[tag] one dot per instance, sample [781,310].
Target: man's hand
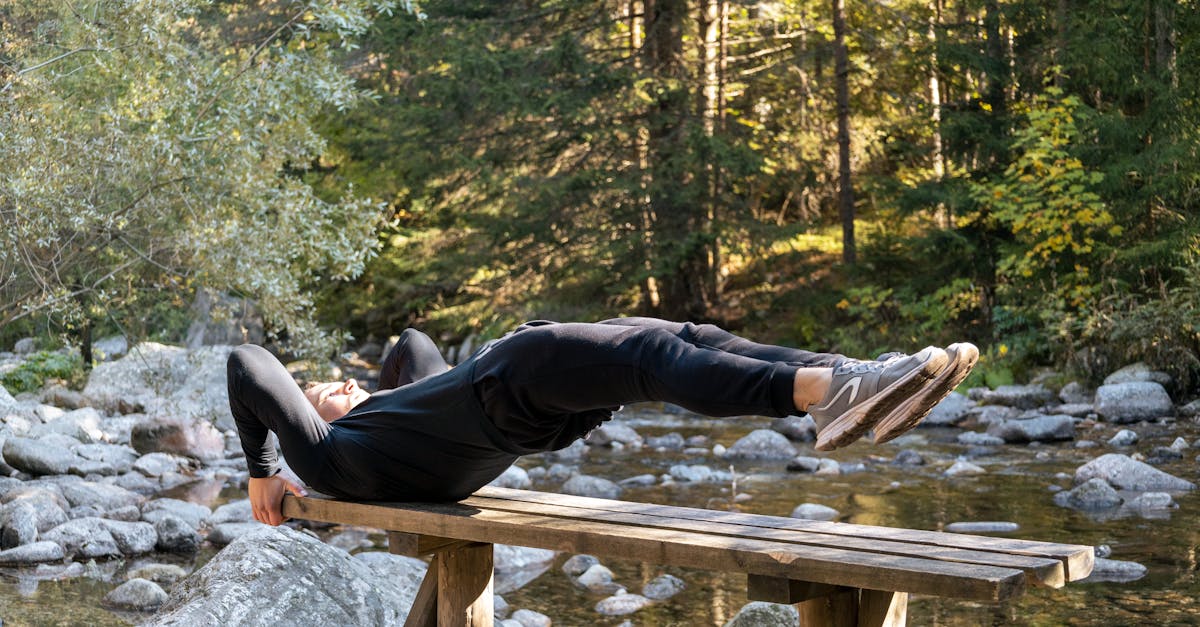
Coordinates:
[266,496]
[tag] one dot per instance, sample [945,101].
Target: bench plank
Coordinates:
[1043,571]
[858,569]
[1077,560]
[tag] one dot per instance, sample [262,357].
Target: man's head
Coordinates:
[335,399]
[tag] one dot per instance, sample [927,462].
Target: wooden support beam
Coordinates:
[787,591]
[423,612]
[836,610]
[417,545]
[879,608]
[464,597]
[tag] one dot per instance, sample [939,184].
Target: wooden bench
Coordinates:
[836,573]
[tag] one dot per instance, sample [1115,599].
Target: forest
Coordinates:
[836,175]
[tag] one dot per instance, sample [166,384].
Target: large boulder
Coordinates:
[37,457]
[278,576]
[190,437]
[761,614]
[1137,372]
[1036,429]
[1093,494]
[149,371]
[1126,473]
[1029,396]
[1133,401]
[950,411]
[203,394]
[762,444]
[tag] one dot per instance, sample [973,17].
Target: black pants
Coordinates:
[538,388]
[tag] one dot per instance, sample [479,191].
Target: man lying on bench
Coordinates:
[437,434]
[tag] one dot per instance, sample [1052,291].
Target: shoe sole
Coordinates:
[855,423]
[963,357]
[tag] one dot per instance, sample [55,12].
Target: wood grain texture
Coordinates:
[423,612]
[786,591]
[464,577]
[877,608]
[835,610]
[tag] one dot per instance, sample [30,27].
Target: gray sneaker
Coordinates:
[864,392]
[908,414]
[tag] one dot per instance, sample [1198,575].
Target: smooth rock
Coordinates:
[982,527]
[128,384]
[598,579]
[621,604]
[37,457]
[192,513]
[1076,393]
[1134,401]
[85,538]
[159,464]
[1091,495]
[762,444]
[513,477]
[1180,445]
[110,348]
[1116,571]
[638,481]
[161,574]
[25,346]
[796,428]
[587,485]
[46,506]
[138,595]
[278,576]
[802,463]
[133,538]
[32,553]
[663,587]
[669,442]
[226,533]
[814,511]
[500,608]
[949,412]
[101,495]
[1029,396]
[975,438]
[18,524]
[1152,500]
[233,511]
[516,566]
[190,437]
[1074,410]
[175,535]
[576,565]
[1136,372]
[1124,437]
[83,425]
[613,432]
[963,468]
[908,457]
[1039,429]
[119,456]
[530,618]
[762,614]
[987,414]
[1126,473]
[400,572]
[697,473]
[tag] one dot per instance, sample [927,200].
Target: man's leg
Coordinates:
[413,358]
[714,337]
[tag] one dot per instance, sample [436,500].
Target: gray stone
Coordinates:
[1190,410]
[1133,401]
[1126,473]
[500,608]
[161,574]
[669,442]
[621,604]
[963,468]
[796,428]
[132,538]
[402,573]
[138,595]
[32,553]
[576,565]
[663,587]
[25,346]
[233,511]
[1116,571]
[149,370]
[63,397]
[1039,429]
[1076,393]
[762,444]
[19,524]
[598,579]
[119,456]
[1085,444]
[530,618]
[814,511]
[1124,437]
[983,526]
[1074,410]
[638,481]
[101,495]
[1152,501]
[987,414]
[516,566]
[175,535]
[513,477]
[974,438]
[226,533]
[37,457]
[83,425]
[138,483]
[587,485]
[110,348]
[1137,372]
[278,576]
[571,454]
[560,472]
[1180,444]
[696,473]
[950,411]
[1091,495]
[219,318]
[802,463]
[762,614]
[202,396]
[1029,396]
[192,513]
[85,538]
[908,457]
[46,505]
[190,437]
[829,467]
[612,432]
[159,464]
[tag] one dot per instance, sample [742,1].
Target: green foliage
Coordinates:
[32,373]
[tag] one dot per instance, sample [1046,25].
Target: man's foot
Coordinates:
[864,392]
[962,358]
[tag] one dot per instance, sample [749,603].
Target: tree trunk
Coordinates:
[650,298]
[944,218]
[842,72]
[1164,42]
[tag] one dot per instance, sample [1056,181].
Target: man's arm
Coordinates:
[266,497]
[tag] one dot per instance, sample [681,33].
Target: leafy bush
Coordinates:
[32,374]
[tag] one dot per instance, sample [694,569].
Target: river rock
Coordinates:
[587,485]
[614,432]
[983,526]
[987,414]
[18,524]
[159,464]
[1124,437]
[513,477]
[128,384]
[46,503]
[227,533]
[663,587]
[796,428]
[402,573]
[576,565]
[25,346]
[1116,571]
[1180,445]
[950,411]
[1029,396]
[1091,495]
[694,473]
[1152,501]
[175,535]
[1190,410]
[530,618]
[762,444]
[203,395]
[193,514]
[908,457]
[101,495]
[1076,393]
[975,438]
[962,467]
[621,604]
[37,457]
[196,438]
[161,574]
[85,538]
[598,579]
[638,481]
[802,463]
[516,566]
[83,425]
[1038,429]
[138,595]
[1126,473]
[669,442]
[1133,401]
[814,511]
[1137,372]
[233,511]
[110,348]
[119,456]
[762,614]
[274,576]
[32,553]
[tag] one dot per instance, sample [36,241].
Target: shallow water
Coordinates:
[1016,488]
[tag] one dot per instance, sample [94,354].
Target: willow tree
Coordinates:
[148,149]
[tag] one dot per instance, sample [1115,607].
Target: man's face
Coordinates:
[334,399]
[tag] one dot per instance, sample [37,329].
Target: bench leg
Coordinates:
[878,608]
[464,586]
[851,607]
[423,612]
